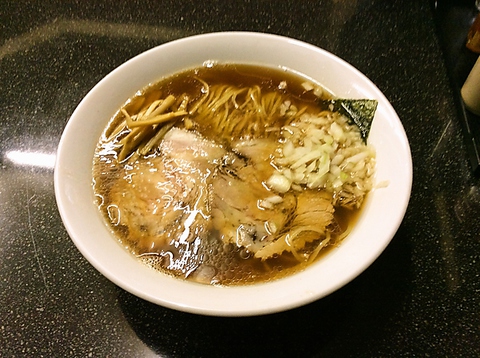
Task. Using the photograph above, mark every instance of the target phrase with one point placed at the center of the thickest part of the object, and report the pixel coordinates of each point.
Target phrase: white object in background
(471, 89)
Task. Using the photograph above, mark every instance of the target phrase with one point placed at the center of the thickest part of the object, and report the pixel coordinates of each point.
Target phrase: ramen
(231, 174)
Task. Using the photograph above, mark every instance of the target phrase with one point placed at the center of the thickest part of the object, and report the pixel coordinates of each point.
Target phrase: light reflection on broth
(230, 174)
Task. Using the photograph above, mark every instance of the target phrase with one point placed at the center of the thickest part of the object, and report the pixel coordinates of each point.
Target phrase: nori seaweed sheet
(359, 112)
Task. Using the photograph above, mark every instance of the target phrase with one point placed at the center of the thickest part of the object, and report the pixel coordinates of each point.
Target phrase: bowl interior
(380, 218)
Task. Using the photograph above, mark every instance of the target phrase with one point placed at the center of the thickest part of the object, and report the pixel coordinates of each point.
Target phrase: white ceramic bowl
(383, 212)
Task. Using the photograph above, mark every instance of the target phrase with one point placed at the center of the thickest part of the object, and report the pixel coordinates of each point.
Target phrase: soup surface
(231, 174)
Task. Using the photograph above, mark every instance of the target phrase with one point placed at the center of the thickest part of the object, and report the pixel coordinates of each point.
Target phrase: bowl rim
(64, 176)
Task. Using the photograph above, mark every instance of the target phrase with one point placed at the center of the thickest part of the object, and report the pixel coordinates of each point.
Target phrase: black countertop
(420, 298)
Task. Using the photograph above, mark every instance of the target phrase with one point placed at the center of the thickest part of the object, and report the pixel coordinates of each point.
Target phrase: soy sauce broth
(206, 258)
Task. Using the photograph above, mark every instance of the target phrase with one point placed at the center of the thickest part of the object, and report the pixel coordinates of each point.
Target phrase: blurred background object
(473, 37)
(471, 90)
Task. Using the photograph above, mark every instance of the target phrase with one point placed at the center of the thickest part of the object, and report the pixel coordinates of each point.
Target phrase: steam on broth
(231, 174)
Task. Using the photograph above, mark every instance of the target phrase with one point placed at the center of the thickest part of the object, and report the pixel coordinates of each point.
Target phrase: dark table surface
(420, 298)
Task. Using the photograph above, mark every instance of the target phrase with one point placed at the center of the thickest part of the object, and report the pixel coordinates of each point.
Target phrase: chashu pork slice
(164, 199)
(246, 213)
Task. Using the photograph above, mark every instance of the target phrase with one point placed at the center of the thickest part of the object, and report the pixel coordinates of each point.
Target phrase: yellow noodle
(320, 246)
(203, 98)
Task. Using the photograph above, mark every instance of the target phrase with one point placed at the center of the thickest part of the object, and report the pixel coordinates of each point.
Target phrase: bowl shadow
(353, 319)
